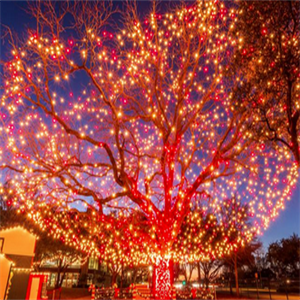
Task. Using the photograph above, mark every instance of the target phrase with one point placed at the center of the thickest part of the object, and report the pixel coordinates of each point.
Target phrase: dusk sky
(288, 222)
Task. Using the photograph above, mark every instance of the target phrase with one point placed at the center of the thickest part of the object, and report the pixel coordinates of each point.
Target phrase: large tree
(266, 69)
(111, 136)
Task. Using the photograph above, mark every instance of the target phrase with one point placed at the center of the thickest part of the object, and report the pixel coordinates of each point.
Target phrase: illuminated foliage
(125, 143)
(266, 68)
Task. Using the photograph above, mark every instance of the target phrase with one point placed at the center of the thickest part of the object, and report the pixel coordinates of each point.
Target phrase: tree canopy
(284, 257)
(266, 69)
(117, 135)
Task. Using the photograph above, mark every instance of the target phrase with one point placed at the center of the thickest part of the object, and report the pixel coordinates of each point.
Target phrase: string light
(152, 159)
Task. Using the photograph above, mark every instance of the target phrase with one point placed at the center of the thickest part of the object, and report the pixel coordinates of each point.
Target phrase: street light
(286, 288)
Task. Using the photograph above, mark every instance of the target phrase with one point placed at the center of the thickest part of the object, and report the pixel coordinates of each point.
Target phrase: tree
(202, 248)
(115, 168)
(262, 267)
(46, 249)
(53, 250)
(186, 269)
(211, 270)
(284, 257)
(241, 257)
(10, 216)
(266, 68)
(115, 270)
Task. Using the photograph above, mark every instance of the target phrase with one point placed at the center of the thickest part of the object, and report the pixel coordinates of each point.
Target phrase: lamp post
(286, 288)
(256, 276)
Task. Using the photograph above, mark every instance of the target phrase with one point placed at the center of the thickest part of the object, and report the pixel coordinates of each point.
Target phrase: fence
(263, 288)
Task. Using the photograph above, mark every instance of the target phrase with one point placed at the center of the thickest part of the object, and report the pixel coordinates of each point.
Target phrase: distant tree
(284, 257)
(262, 266)
(210, 270)
(186, 269)
(232, 219)
(53, 250)
(114, 270)
(266, 69)
(241, 257)
(139, 273)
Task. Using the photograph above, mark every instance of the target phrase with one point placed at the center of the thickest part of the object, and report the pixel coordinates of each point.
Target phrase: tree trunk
(163, 278)
(199, 272)
(185, 273)
(57, 284)
(206, 280)
(134, 275)
(57, 280)
(236, 276)
(122, 277)
(231, 275)
(62, 277)
(113, 278)
(191, 269)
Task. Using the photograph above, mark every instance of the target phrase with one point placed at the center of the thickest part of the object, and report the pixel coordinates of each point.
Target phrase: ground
(252, 294)
(75, 293)
(83, 294)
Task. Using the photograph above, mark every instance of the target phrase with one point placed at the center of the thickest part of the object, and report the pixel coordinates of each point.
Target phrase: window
(93, 263)
(70, 280)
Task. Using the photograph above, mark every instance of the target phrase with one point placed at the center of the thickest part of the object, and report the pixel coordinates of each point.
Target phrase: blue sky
(288, 222)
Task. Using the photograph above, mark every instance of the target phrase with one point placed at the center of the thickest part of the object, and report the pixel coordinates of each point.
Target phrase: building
(79, 273)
